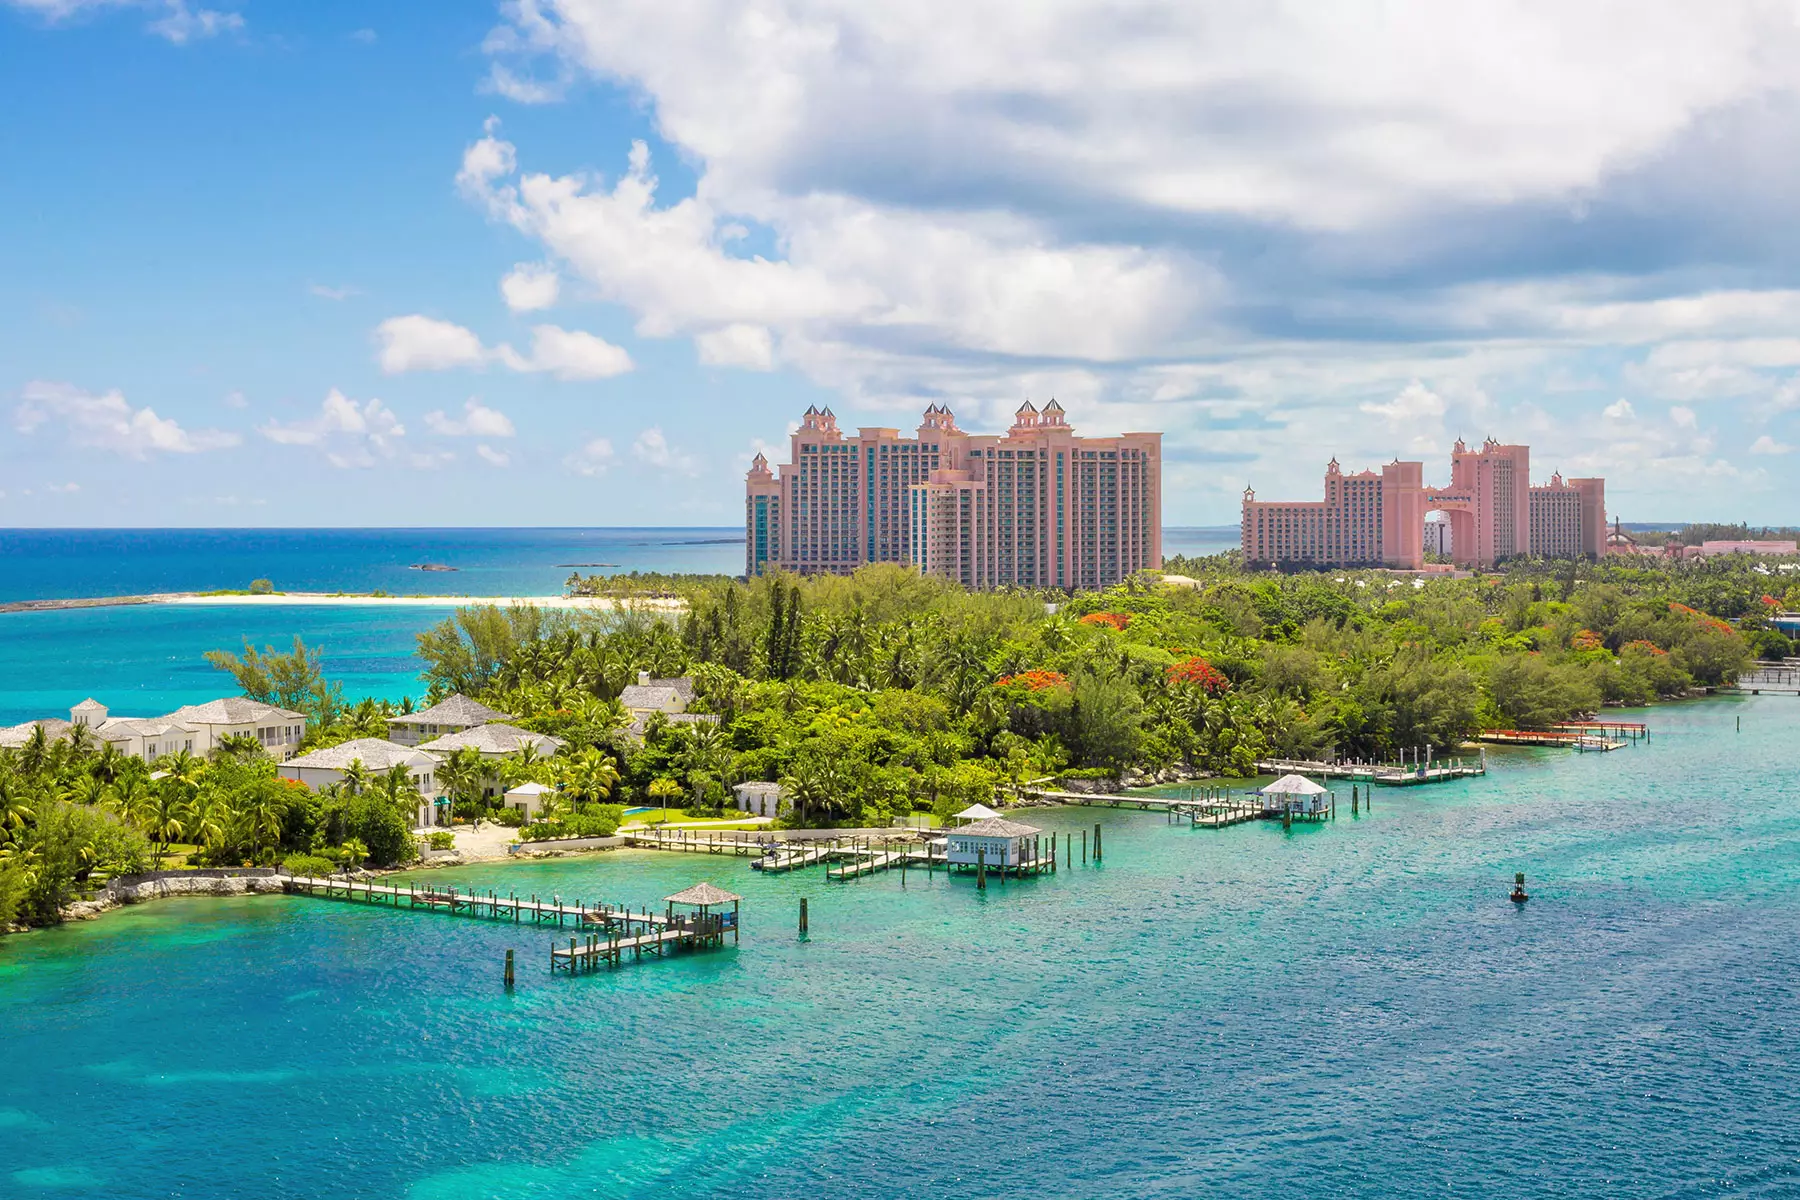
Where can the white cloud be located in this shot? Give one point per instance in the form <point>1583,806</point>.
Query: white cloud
<point>63,488</point>
<point>181,24</point>
<point>1683,417</point>
<point>236,399</point>
<point>106,422</point>
<point>332,293</point>
<point>653,449</point>
<point>594,458</point>
<point>1325,116</point>
<point>1619,410</point>
<point>175,20</point>
<point>748,346</point>
<point>349,434</point>
<point>477,421</point>
<point>502,81</point>
<point>529,287</point>
<point>498,458</point>
<point>1768,445</point>
<point>572,354</point>
<point>420,343</point>
<point>430,460</point>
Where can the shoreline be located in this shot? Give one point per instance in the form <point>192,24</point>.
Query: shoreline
<point>344,600</point>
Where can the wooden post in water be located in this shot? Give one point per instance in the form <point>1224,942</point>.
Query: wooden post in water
<point>509,970</point>
<point>1353,799</point>
<point>1096,841</point>
<point>981,869</point>
<point>803,914</point>
<point>1084,847</point>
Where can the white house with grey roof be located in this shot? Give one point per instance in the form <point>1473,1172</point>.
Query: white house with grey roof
<point>494,743</point>
<point>453,714</point>
<point>668,698</point>
<point>196,728</point>
<point>994,842</point>
<point>378,756</point>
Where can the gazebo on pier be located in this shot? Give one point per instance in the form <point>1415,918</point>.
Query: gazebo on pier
<point>705,920</point>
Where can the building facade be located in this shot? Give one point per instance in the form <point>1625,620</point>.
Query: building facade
<point>1037,506</point>
<point>1488,513</point>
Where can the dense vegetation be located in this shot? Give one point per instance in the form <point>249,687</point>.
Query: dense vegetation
<point>885,693</point>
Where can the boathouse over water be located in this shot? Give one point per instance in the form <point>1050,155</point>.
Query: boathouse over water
<point>994,842</point>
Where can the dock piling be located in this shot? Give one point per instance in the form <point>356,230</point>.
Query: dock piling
<point>803,914</point>
<point>509,970</point>
<point>1096,841</point>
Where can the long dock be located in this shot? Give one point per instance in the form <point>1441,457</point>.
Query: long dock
<point>1770,677</point>
<point>1381,774</point>
<point>490,906</point>
<point>697,841</point>
<point>1552,737</point>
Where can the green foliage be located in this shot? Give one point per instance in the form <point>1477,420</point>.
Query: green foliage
<point>311,865</point>
<point>441,840</point>
<point>594,820</point>
<point>293,680</point>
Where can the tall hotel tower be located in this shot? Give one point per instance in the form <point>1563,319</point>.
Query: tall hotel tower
<point>1037,506</point>
<point>1490,512</point>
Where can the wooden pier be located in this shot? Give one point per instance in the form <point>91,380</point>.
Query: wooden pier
<point>703,925</point>
<point>1404,774</point>
<point>698,841</point>
<point>490,906</point>
<point>1573,739</point>
<point>1629,730</point>
<point>1770,677</point>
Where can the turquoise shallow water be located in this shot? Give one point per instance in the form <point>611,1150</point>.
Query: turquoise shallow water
<point>1353,1010</point>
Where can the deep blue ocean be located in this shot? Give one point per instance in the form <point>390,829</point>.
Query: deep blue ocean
<point>145,660</point>
<point>1351,1010</point>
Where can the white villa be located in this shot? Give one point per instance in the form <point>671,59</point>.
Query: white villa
<point>670,697</point>
<point>528,799</point>
<point>994,842</point>
<point>494,743</point>
<point>378,756</point>
<point>196,728</point>
<point>453,714</point>
<point>759,799</point>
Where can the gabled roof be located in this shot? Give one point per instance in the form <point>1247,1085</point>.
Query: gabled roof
<point>703,893</point>
<point>455,709</point>
<point>996,827</point>
<point>232,710</point>
<point>654,693</point>
<point>492,739</point>
<point>530,789</point>
<point>18,735</point>
<point>377,754</point>
<point>89,705</point>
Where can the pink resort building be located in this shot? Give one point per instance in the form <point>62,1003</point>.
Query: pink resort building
<point>1036,506</point>
<point>1391,518</point>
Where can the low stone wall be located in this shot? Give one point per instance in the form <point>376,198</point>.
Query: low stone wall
<point>154,885</point>
<point>553,846</point>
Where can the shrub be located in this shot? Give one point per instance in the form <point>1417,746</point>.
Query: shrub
<point>512,818</point>
<point>1199,672</point>
<point>1035,681</point>
<point>441,840</point>
<point>308,864</point>
<point>598,820</point>
<point>261,587</point>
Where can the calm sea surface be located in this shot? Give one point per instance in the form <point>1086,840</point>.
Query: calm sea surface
<point>146,660</point>
<point>1351,1010</point>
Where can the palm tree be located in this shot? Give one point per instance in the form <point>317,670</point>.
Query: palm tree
<point>208,817</point>
<point>164,820</point>
<point>664,790</point>
<point>34,755</point>
<point>462,774</point>
<point>13,811</point>
<point>357,778</point>
<point>236,745</point>
<point>400,789</point>
<point>592,775</point>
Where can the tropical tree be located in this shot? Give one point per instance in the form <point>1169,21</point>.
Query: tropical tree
<point>591,775</point>
<point>664,790</point>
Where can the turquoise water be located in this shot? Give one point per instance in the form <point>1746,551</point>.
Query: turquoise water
<point>1353,1010</point>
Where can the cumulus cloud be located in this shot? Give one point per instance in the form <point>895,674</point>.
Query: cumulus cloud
<point>493,457</point>
<point>420,343</point>
<point>347,433</point>
<point>748,346</point>
<point>572,354</point>
<point>477,421</point>
<point>331,293</point>
<point>104,421</point>
<point>529,287</point>
<point>595,457</point>
<point>1768,445</point>
<point>652,448</point>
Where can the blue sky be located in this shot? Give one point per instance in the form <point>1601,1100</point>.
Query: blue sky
<point>574,261</point>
